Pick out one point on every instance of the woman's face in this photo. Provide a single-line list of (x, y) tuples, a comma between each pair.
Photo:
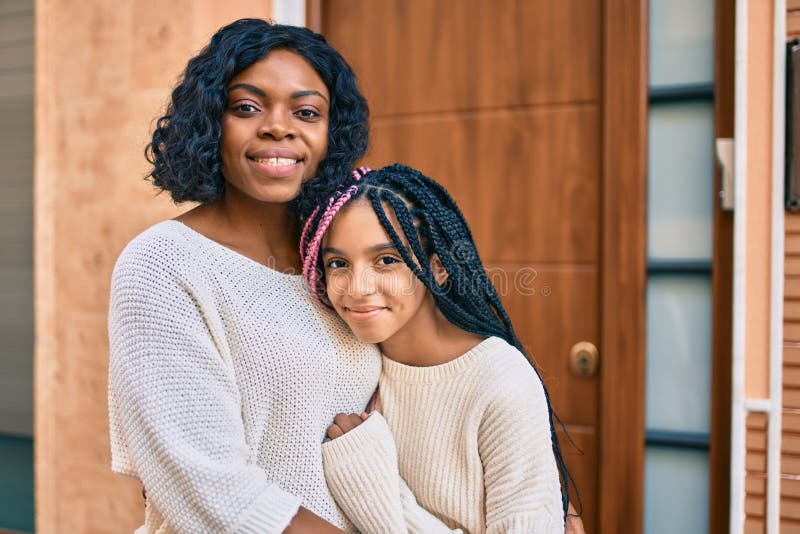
[(275, 127), (368, 283)]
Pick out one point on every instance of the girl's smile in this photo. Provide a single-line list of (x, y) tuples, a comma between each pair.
[(368, 283)]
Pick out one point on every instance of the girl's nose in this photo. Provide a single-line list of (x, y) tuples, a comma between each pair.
[(363, 282)]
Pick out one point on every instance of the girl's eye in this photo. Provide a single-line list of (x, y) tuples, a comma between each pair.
[(334, 264), (308, 114), (389, 260)]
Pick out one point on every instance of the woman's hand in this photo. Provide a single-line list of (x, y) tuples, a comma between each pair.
[(344, 423)]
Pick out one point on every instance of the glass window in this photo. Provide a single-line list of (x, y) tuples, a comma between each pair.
[(678, 348), (680, 193), (681, 42), (676, 491)]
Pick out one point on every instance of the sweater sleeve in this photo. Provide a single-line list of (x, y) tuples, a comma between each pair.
[(175, 410), (363, 476), (523, 493)]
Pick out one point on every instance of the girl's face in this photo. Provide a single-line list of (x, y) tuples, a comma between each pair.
[(368, 283), (275, 127)]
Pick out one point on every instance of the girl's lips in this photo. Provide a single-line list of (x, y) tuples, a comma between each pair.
[(364, 314)]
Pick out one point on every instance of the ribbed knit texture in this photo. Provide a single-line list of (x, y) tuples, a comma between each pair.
[(224, 376), (473, 445)]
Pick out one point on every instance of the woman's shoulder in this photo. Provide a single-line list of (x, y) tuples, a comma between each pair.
[(166, 247)]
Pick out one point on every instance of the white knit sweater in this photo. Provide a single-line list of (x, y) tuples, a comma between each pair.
[(472, 444), (223, 378)]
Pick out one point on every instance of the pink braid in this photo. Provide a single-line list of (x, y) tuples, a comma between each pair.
[(309, 250)]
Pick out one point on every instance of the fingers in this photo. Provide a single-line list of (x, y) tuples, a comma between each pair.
[(334, 432), (347, 421)]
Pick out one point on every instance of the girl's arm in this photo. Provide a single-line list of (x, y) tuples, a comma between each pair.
[(363, 476), (175, 410), (523, 492)]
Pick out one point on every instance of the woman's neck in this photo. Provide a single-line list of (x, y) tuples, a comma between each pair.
[(265, 233), (429, 339)]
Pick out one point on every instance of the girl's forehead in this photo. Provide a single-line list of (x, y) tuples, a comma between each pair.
[(358, 223)]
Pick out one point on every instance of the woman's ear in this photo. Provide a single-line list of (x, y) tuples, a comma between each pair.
[(438, 270)]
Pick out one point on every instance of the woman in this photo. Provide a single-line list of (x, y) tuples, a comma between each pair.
[(224, 372)]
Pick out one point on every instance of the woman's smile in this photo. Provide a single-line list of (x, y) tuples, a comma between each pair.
[(275, 129), (275, 162)]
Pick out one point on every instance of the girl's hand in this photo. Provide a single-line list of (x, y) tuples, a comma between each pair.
[(344, 423)]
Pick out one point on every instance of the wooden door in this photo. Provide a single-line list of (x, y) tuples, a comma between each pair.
[(505, 102)]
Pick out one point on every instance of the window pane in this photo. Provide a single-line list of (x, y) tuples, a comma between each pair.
[(680, 181), (681, 42), (675, 491), (678, 352)]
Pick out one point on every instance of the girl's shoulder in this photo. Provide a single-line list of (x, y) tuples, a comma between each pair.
[(507, 372)]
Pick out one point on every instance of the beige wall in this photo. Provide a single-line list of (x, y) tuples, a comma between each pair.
[(103, 72)]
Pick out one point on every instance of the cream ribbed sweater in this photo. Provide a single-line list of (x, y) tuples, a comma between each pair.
[(472, 444), (223, 378)]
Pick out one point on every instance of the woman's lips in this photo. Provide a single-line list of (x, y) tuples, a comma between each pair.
[(275, 167)]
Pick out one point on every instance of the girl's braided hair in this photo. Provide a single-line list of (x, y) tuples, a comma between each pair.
[(432, 224), (184, 150)]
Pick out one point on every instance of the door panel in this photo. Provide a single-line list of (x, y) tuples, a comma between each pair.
[(513, 172), (421, 56)]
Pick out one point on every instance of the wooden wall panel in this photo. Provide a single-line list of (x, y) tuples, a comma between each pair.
[(103, 73)]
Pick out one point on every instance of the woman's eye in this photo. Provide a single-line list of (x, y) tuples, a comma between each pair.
[(307, 114), (245, 108)]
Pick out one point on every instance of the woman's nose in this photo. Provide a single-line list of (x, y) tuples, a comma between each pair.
[(275, 125)]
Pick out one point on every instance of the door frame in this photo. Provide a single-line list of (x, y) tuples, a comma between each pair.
[(623, 267)]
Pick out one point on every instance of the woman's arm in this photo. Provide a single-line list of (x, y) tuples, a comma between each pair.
[(175, 411)]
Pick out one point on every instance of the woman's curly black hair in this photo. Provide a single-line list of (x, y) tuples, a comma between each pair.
[(185, 150)]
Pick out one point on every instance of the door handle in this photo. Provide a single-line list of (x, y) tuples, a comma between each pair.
[(584, 359)]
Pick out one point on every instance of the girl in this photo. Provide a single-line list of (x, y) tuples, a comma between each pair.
[(224, 372), (471, 420)]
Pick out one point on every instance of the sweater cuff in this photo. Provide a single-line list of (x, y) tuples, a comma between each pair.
[(370, 435), (271, 512)]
